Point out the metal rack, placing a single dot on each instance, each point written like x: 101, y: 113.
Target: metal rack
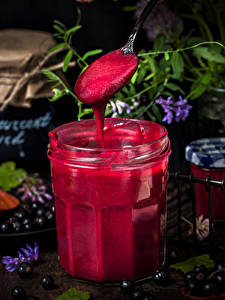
x: 189, y: 181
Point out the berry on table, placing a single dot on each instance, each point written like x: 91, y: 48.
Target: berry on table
x: 161, y: 277
x: 138, y: 294
x: 25, y: 270
x: 127, y: 286
x: 18, y: 293
x: 200, y: 268
x: 47, y: 282
x: 27, y: 227
x: 20, y: 214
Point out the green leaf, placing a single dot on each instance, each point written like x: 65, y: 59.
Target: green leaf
x: 156, y: 112
x: 58, y: 28
x: 73, y: 30
x: 91, y: 53
x: 67, y: 60
x: 177, y: 64
x: 57, y: 94
x: 51, y: 76
x: 129, y: 8
x: 174, y: 87
x: 53, y: 49
x: 134, y: 77
x: 74, y: 294
x: 189, y: 264
x: 10, y: 177
x: 209, y: 54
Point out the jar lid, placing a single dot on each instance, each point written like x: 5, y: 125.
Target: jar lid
x: 208, y: 152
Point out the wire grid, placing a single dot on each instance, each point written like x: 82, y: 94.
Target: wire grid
x: 182, y: 201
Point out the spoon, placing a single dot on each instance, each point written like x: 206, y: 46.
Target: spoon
x: 129, y: 46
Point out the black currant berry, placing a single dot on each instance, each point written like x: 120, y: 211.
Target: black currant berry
x: 161, y: 277
x: 189, y: 276
x: 18, y: 293
x: 192, y: 288
x: 200, y: 268
x: 138, y: 294
x: 49, y: 216
x: 35, y: 205
x: 219, y: 266
x: 47, y: 282
x: 21, y: 214
x: 207, y: 289
x: 127, y: 286
x: 26, y: 221
x: 27, y: 227
x: 39, y: 222
x: 52, y: 208
x: 25, y: 270
x: 5, y: 227
x: 40, y: 212
x: 16, y: 226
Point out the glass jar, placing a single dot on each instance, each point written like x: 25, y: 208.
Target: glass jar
x: 110, y: 202
x: 206, y: 158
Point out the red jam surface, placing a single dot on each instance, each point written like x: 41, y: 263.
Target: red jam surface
x: 110, y: 203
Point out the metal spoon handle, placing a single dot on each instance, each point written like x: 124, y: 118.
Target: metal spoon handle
x: 129, y: 47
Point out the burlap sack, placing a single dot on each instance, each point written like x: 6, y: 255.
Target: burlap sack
x: 23, y: 53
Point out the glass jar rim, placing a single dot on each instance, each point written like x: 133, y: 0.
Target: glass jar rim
x: 52, y: 134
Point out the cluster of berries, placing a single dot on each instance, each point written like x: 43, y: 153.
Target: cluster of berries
x: 203, y: 282
x: 30, y: 217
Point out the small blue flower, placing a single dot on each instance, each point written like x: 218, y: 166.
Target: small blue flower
x: 27, y: 254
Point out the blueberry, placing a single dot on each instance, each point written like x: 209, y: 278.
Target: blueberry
x: 127, y: 286
x: 52, y: 208
x: 138, y: 294
x: 20, y: 214
x: 27, y: 227
x: 219, y: 266
x: 5, y: 227
x: 47, y: 282
x: 49, y: 216
x: 13, y: 219
x: 161, y: 277
x: 40, y: 222
x: 208, y: 289
x: 189, y: 276
x: 200, y: 268
x: 40, y: 212
x: 192, y: 288
x: 26, y: 221
x: 25, y: 270
x: 35, y: 205
x: 18, y: 293
x: 219, y: 278
x: 16, y: 226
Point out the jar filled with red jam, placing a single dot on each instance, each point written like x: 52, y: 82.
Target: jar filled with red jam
x: 110, y: 202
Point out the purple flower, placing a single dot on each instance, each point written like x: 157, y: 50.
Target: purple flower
x: 179, y: 108
x: 118, y: 107
x: 27, y: 254
x: 182, y: 109
x: 160, y: 21
x: 34, y: 189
